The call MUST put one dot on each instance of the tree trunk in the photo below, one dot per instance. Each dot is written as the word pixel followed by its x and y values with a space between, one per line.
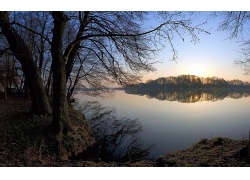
pixel 69 135
pixel 5 89
pixel 47 87
pixel 60 122
pixel 69 140
pixel 40 103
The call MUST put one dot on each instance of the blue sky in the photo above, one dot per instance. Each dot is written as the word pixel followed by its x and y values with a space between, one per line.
pixel 213 55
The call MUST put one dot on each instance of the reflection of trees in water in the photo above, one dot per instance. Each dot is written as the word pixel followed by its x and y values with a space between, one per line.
pixel 117 139
pixel 188 96
pixel 237 95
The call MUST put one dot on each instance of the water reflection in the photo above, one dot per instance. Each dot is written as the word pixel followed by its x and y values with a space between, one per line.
pixel 188 96
pixel 117 139
pixel 173 126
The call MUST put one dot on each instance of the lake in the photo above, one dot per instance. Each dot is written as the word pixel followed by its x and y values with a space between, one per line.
pixel 175 120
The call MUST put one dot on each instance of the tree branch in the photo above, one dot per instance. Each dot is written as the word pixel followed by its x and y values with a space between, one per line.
pixel 31 30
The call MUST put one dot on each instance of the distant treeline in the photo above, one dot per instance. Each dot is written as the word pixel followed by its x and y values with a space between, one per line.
pixel 189 96
pixel 192 81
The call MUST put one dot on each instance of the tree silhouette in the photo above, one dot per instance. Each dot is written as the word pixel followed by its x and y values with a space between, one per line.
pixel 111 47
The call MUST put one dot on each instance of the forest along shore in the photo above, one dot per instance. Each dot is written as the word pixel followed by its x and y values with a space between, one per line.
pixel 21 144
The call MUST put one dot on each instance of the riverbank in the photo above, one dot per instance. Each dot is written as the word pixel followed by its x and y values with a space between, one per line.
pixel 21 144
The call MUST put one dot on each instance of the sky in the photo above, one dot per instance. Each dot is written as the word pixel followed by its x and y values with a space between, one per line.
pixel 213 55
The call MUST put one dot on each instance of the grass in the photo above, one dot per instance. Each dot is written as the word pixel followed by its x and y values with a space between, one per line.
pixel 210 153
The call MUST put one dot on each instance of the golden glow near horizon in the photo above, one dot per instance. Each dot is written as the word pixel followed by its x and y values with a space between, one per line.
pixel 197 71
pixel 202 68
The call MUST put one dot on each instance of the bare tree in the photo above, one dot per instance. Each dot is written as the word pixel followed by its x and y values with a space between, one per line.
pixel 111 47
pixel 236 24
pixel 20 49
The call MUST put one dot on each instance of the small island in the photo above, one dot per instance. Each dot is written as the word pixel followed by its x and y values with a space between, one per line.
pixel 191 89
pixel 193 82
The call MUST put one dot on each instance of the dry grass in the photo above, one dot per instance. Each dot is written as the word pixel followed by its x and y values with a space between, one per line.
pixel 209 153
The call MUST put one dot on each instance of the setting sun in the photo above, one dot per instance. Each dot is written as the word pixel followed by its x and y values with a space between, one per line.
pixel 198 70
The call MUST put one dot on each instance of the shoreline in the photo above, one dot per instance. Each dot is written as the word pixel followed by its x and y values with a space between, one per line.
pixel 20 146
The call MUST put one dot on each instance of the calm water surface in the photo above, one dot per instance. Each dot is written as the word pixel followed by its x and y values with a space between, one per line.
pixel 173 126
